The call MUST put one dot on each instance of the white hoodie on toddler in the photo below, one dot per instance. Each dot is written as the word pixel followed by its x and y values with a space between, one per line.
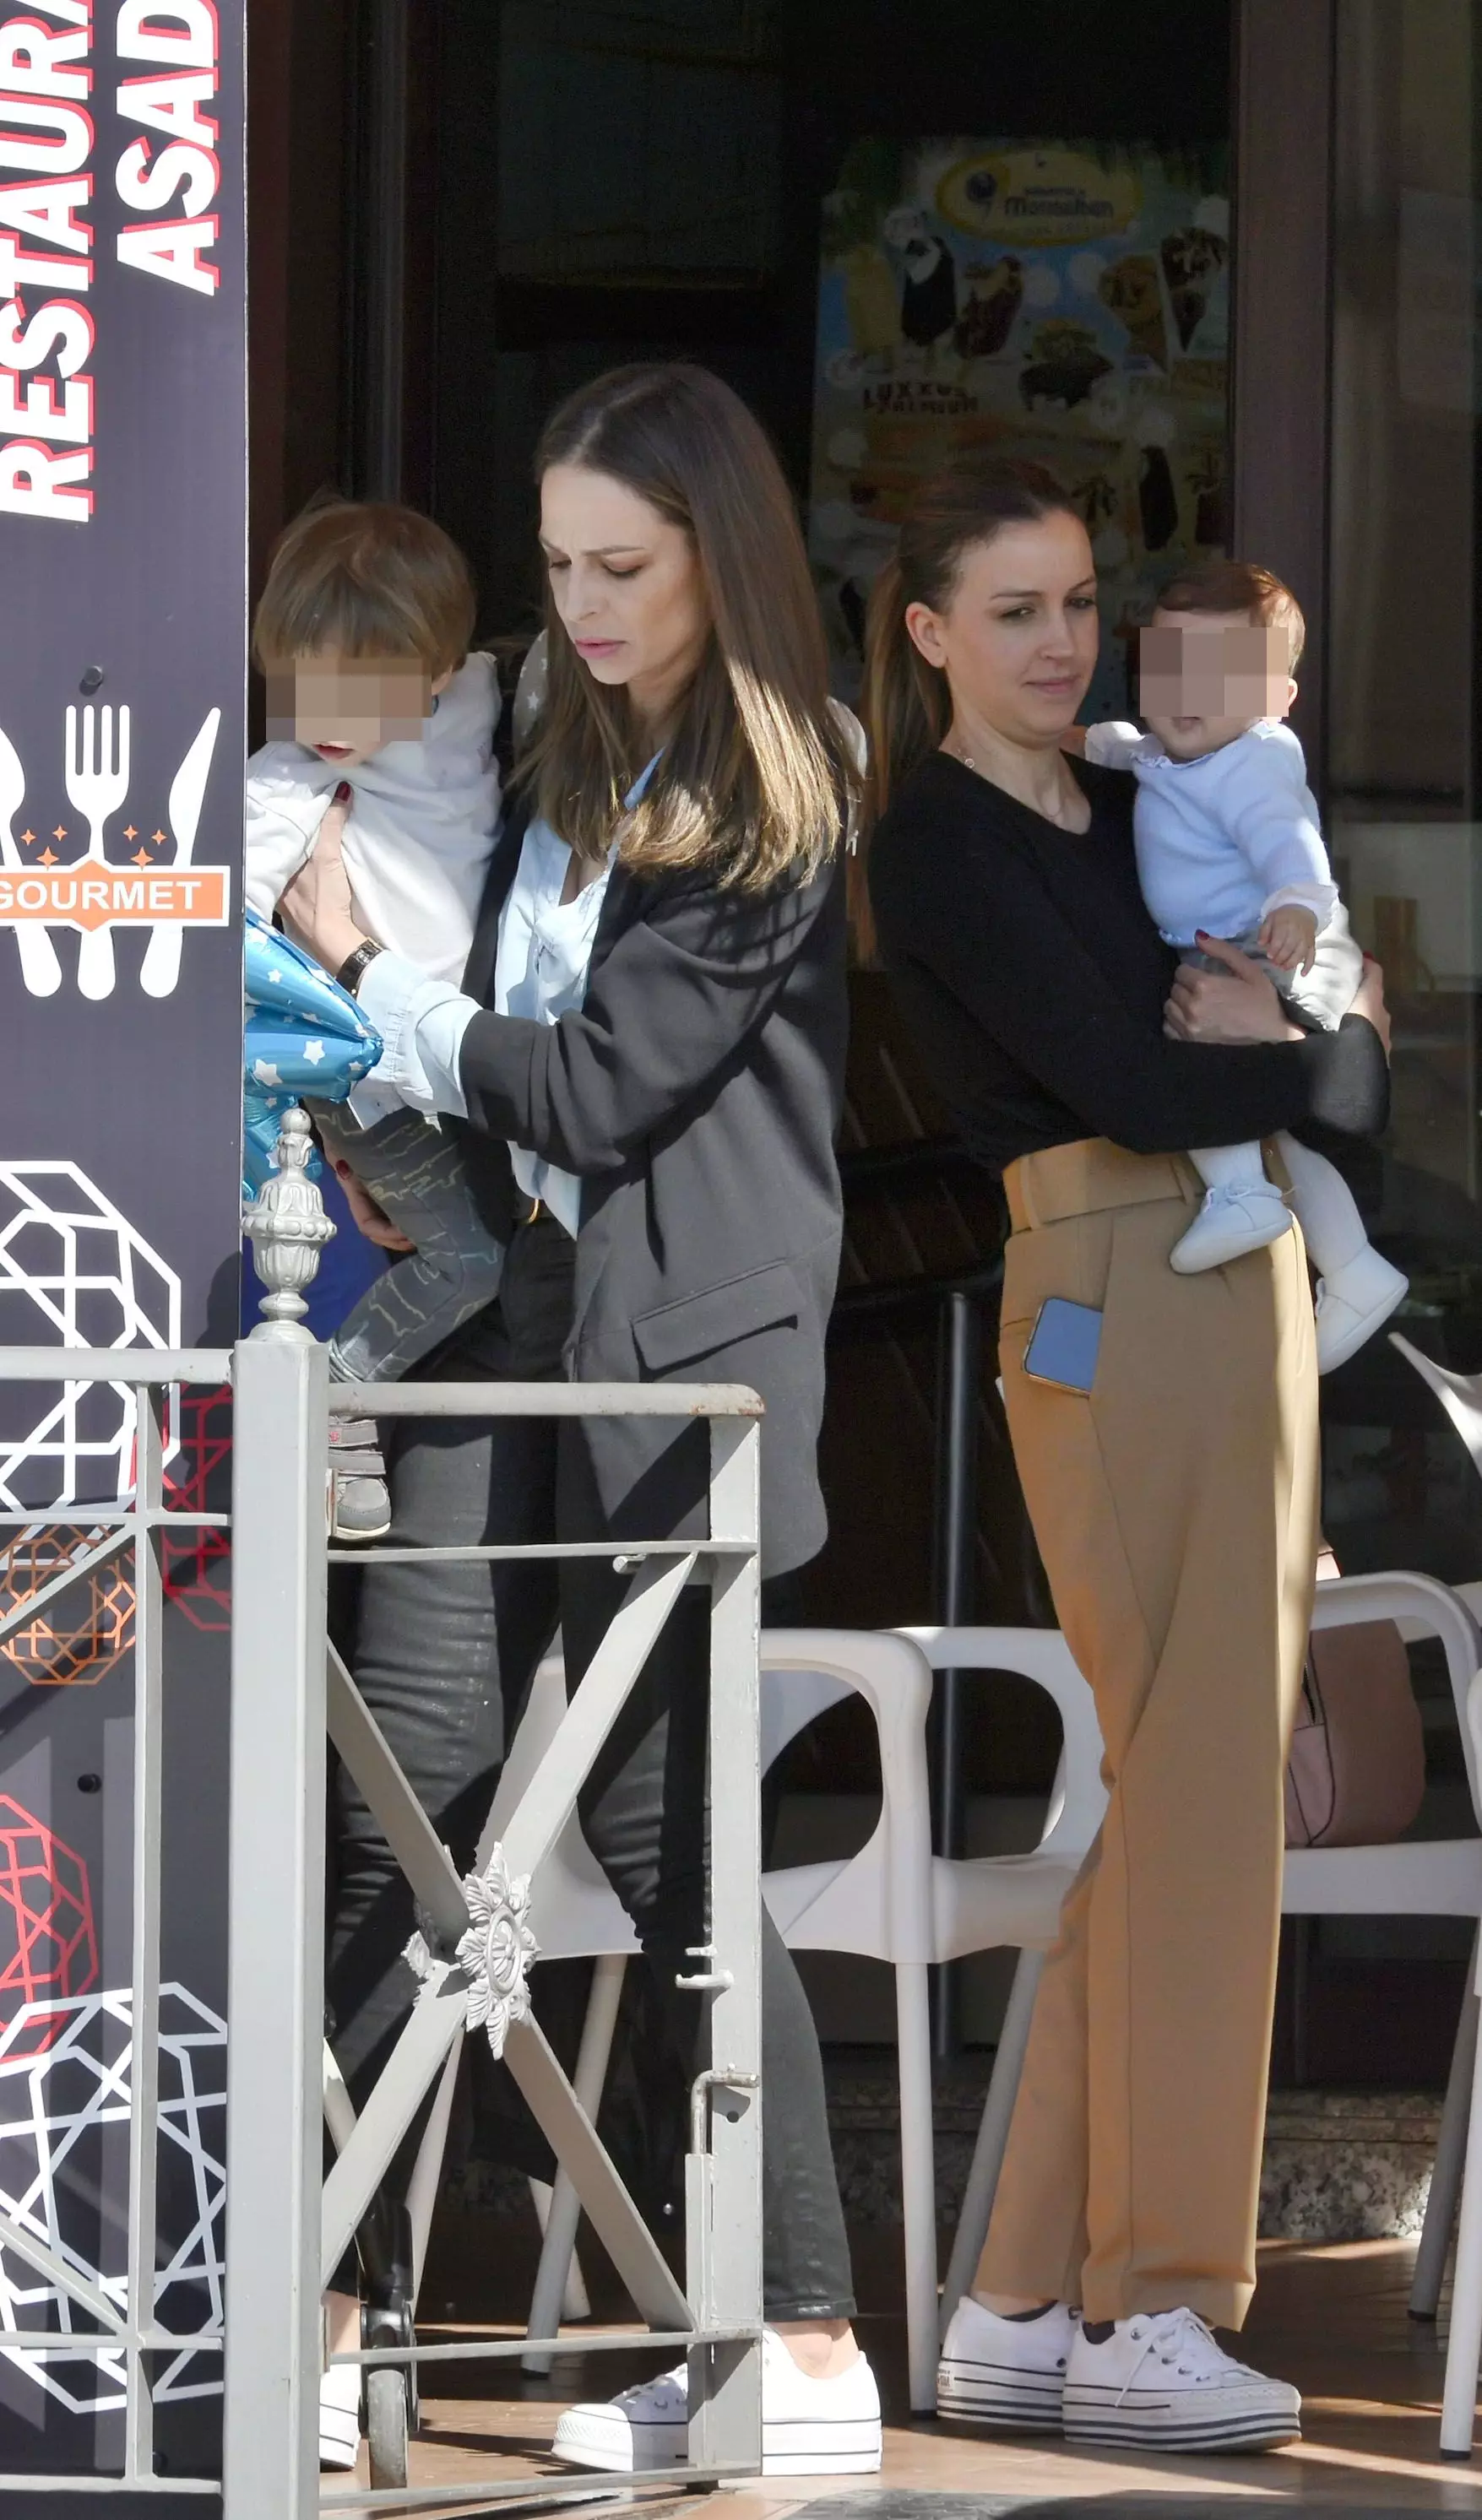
pixel 418 842
pixel 421 831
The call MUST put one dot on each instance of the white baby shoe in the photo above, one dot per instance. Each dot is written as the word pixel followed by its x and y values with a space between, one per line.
pixel 1005 2373
pixel 1230 1223
pixel 1353 1302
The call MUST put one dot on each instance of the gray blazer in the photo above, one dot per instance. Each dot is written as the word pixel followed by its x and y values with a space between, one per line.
pixel 696 1095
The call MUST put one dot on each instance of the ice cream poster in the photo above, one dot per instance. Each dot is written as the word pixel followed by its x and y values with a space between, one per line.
pixel 1067 301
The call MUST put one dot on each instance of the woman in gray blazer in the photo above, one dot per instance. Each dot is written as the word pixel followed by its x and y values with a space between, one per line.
pixel 644 1068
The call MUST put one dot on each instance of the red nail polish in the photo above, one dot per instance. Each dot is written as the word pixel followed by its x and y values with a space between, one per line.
pixel 343 792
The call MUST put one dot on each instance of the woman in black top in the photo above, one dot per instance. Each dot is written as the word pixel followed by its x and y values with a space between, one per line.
pixel 1174 1501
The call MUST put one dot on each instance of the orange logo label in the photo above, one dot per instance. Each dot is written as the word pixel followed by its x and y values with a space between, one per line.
pixel 90 895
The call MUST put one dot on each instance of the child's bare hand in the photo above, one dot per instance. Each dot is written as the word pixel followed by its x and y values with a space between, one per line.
pixel 1290 938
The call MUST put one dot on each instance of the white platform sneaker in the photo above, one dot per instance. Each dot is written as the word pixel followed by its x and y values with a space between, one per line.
pixel 1230 1223
pixel 1009 2373
pixel 809 2427
pixel 1159 2381
pixel 340 2416
pixel 1352 1303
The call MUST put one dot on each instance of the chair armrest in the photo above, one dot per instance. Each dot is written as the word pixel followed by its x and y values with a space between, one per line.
pixel 1041 1655
pixel 892 1676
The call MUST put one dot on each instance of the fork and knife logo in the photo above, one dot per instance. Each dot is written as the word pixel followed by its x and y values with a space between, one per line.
pixel 94 894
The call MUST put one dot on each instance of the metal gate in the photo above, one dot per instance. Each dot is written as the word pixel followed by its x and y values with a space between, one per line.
pixel 287 2226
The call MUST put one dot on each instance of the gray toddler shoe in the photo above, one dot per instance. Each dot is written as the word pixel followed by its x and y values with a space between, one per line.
pixel 360 1507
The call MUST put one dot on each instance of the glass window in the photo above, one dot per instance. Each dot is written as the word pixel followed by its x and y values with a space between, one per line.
pixel 1404 744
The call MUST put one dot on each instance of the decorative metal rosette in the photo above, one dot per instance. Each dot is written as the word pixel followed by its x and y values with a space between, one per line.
pixel 495 1953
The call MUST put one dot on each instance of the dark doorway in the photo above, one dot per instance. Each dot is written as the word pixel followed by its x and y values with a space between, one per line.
pixel 628 182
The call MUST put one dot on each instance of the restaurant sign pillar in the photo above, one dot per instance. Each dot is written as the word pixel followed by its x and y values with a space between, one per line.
pixel 124 568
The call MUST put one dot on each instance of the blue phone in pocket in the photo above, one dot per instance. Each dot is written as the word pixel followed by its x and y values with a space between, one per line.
pixel 1063 1344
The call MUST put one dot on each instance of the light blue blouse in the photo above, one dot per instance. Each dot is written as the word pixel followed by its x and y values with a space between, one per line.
pixel 540 972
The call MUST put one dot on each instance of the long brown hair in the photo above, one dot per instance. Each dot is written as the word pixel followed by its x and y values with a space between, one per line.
pixel 754 785
pixel 905 704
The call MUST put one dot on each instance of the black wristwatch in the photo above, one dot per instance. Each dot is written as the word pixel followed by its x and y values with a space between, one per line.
pixel 352 970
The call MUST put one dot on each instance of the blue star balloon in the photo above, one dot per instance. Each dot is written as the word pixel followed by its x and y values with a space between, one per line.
pixel 280 1053
pixel 304 1035
pixel 283 981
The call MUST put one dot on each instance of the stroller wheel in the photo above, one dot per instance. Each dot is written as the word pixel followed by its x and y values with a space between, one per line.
pixel 386 2424
pixel 387 2319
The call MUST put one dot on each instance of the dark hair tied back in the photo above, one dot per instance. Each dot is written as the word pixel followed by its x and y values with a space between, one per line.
pixel 905 706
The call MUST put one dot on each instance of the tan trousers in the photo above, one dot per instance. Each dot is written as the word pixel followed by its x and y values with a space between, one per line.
pixel 1175 1511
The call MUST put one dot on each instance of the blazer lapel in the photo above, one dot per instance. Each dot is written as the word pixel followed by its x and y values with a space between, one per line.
pixel 479 983
pixel 620 906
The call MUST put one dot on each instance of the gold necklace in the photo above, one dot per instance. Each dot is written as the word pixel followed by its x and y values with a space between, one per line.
pixel 967 762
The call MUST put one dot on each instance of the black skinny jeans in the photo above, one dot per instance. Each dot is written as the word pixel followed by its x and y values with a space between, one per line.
pixel 444 1657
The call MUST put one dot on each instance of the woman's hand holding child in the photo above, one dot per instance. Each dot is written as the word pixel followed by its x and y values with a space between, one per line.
pixel 1237 1005
pixel 317 909
pixel 369 1216
pixel 1240 1004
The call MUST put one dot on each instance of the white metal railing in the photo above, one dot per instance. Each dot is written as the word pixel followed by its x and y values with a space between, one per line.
pixel 286 2225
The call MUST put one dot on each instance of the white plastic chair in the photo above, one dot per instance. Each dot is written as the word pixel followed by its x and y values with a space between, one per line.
pixel 1461 2143
pixel 875 1901
pixel 1412 1877
pixel 1011 1902
pixel 1463 2345
pixel 893 1900
pixel 1460 1396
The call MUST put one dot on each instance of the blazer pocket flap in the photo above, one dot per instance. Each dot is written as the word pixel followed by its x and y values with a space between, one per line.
pixel 717 1317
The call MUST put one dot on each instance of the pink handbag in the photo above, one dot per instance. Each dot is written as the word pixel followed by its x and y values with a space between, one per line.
pixel 1357 1769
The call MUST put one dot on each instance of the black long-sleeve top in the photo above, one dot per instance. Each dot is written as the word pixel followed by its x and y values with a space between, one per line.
pixel 1034 982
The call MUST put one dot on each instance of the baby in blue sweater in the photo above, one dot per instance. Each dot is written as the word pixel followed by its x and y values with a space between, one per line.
pixel 1229 845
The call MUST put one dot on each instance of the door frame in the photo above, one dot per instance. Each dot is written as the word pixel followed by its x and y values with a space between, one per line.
pixel 1283 83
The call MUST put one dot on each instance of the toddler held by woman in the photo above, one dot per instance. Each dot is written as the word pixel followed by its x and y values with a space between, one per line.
pixel 363 633
pixel 1228 846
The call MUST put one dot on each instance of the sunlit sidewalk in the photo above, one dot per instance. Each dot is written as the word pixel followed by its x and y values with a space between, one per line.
pixel 1332 2319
